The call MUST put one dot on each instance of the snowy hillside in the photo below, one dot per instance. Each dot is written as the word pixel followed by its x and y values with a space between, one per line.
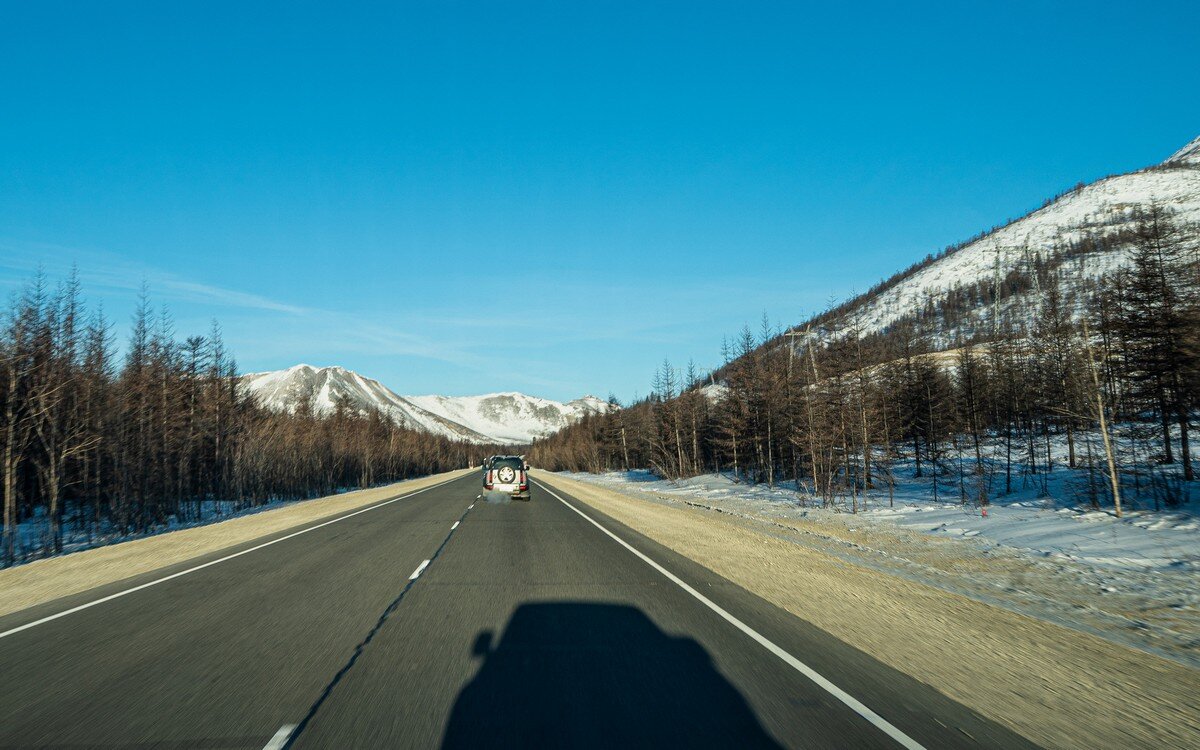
pixel 510 417
pixel 1102 209
pixel 494 418
pixel 1189 154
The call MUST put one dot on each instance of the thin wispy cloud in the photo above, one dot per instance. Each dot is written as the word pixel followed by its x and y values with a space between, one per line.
pixel 363 333
pixel 99 269
pixel 222 297
pixel 107 271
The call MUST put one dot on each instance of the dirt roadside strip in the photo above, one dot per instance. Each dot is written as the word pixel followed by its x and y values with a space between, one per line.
pixel 55 577
pixel 1054 685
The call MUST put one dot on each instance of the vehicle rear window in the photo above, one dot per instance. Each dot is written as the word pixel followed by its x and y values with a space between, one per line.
pixel 514 463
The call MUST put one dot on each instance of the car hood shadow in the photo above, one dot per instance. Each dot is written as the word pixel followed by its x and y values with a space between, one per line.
pixel 568 674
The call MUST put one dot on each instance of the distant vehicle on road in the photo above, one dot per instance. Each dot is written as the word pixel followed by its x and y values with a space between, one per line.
pixel 507 474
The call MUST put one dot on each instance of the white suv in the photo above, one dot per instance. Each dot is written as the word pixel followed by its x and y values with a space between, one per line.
pixel 507 474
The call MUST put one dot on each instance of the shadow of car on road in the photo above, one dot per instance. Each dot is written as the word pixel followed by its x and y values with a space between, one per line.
pixel 571 674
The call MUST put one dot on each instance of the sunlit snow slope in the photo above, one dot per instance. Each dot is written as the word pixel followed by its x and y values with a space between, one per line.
pixel 1102 208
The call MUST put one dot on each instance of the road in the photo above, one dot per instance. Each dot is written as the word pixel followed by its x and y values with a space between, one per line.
pixel 528 626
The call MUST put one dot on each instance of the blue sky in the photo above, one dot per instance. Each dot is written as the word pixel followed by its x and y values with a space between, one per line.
pixel 394 187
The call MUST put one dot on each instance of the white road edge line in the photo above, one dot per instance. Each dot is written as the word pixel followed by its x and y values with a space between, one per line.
pixel 420 569
pixel 279 741
pixel 455 526
pixel 210 563
pixel 850 701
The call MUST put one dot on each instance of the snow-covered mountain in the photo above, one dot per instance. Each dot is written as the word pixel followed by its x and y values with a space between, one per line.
pixel 285 390
pixel 1076 236
pixel 510 417
pixel 494 418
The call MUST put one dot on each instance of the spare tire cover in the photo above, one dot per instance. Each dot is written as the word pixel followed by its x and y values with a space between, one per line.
pixel 506 475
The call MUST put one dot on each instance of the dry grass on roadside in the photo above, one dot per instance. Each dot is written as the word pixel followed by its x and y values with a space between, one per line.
pixel 1054 685
pixel 46 580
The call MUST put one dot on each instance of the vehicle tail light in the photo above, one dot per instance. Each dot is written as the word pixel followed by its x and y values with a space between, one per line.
pixel 524 481
pixel 490 479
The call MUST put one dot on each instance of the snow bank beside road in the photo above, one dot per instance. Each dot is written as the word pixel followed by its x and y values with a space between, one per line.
pixel 1167 541
pixel 1141 539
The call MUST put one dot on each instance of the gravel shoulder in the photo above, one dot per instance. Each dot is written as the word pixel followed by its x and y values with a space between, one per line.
pixel 1057 686
pixel 45 580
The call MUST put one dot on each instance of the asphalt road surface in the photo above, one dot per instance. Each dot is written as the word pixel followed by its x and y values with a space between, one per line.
pixel 527 626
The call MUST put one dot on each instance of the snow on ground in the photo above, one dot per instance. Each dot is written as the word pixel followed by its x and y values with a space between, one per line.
pixel 1142 539
pixel 33 534
pixel 1132 580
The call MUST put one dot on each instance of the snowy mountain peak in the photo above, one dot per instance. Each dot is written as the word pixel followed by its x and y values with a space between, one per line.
pixel 492 418
pixel 1188 155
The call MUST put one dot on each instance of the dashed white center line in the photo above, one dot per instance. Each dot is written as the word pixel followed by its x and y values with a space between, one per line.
pixel 281 737
pixel 455 526
pixel 472 505
pixel 420 569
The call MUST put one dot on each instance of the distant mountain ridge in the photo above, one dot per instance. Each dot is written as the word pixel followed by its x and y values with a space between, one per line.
pixel 509 418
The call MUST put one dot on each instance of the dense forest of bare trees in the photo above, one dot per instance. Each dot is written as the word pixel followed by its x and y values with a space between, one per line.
pixel 1104 380
pixel 102 445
